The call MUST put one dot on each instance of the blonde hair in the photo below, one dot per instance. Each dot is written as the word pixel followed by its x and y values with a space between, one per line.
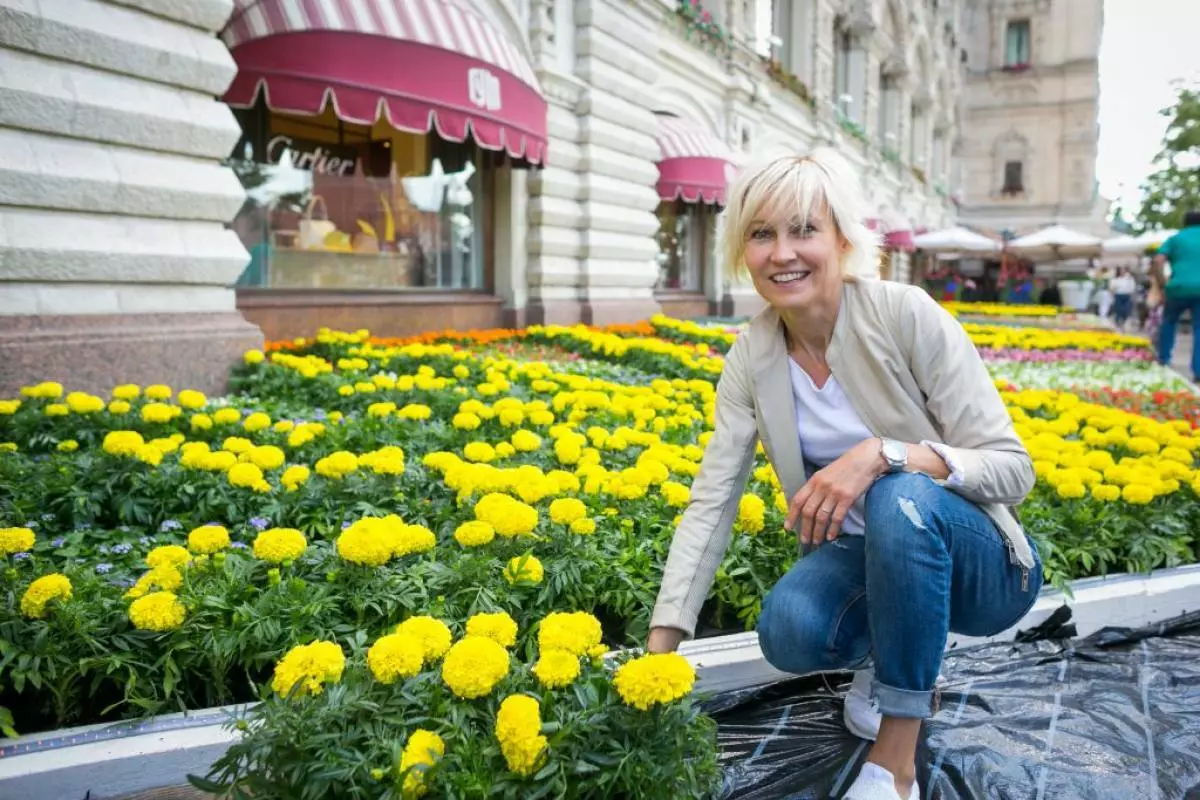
pixel 821 180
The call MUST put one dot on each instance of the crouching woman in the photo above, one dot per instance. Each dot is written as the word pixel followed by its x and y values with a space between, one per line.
pixel 896 451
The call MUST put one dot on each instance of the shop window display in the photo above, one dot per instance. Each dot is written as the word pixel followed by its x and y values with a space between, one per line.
pixel 332 205
pixel 685 241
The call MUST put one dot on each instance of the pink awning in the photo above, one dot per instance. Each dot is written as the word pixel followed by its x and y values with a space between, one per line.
pixel 897 232
pixel 421 64
pixel 695 166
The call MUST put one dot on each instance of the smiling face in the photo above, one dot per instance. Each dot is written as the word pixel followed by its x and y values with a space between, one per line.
pixel 795 262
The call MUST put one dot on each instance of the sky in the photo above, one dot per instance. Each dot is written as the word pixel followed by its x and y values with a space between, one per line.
pixel 1146 44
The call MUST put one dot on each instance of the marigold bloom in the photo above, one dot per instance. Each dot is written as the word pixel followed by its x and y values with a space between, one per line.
pixel 473 666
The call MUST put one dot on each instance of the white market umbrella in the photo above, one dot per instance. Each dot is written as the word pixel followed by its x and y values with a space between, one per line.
pixel 1123 245
pixel 1057 243
pixel 955 240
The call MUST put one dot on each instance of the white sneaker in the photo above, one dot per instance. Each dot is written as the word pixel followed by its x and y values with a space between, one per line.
pixel 860 711
pixel 876 783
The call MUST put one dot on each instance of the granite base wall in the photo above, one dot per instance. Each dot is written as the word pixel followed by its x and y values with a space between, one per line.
pixel 94 353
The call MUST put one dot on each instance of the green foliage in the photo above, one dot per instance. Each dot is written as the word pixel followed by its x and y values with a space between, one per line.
pixel 1174 188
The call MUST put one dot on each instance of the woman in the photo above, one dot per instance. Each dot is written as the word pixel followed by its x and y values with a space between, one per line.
pixel 1123 286
pixel 894 446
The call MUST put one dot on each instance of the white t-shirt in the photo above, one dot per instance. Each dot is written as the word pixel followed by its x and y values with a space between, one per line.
pixel 829 426
pixel 1124 284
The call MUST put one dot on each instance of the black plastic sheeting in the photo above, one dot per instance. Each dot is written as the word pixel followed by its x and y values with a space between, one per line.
pixel 1115 715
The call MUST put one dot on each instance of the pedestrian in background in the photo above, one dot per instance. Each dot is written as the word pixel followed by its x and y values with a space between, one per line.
pixel 1123 286
pixel 1182 290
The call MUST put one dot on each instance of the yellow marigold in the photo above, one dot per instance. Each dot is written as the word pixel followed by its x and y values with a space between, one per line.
pixel 566 510
pixel 54 586
pixel 295 477
pixel 168 555
pixel 157 611
pixel 654 679
pixel 127 391
pixel 576 632
pixel 192 399
pixel 509 517
pixel 226 416
pixel 413 539
pixel 265 457
pixel 1137 494
pixel 1071 490
pixel 583 526
pixel 122 443
pixel 1106 492
pixel 308 667
pixel 473 667
pixel 279 545
pixel 159 413
pixel 370 542
pixel 245 476
pixel 526 441
pixel 423 750
pixel 434 635
pixel 519 732
pixel 676 494
pixel 201 422
pixel 15 540
pixel 415 411
pixel 474 533
pixel 524 569
pixel 158 391
pixel 480 452
pixel 256 422
pixel 253 356
pixel 337 465
pixel 84 403
pixel 208 539
pixel 498 626
pixel 396 655
pixel 751 509
pixel 118 407
pixel 466 421
pixel 167 578
pixel 556 668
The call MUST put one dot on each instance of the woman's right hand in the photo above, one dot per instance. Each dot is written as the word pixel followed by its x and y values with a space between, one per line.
pixel 664 640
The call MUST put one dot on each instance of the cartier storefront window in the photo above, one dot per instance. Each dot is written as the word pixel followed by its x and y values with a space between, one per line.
pixel 335 205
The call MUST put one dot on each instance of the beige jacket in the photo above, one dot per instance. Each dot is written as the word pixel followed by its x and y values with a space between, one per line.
pixel 911 373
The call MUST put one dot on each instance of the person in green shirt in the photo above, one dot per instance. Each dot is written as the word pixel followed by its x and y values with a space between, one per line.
pixel 1182 251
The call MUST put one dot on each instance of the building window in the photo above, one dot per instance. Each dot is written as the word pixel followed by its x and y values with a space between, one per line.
pixel 685 241
pixel 1013 179
pixel 1017 44
pixel 843 96
pixel 334 205
pixel 781 29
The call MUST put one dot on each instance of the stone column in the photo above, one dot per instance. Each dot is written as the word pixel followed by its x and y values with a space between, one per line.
pixel 511 236
pixel 617 172
pixel 115 262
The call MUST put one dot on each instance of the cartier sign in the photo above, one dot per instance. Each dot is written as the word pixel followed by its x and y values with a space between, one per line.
pixel 327 159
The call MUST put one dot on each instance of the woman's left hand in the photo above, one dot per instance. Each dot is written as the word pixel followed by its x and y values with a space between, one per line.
pixel 824 500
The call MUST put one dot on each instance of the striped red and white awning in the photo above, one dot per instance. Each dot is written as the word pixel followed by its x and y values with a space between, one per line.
pixel 694 165
pixel 421 64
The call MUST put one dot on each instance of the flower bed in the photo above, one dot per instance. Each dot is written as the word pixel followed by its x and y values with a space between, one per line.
pixel 166 550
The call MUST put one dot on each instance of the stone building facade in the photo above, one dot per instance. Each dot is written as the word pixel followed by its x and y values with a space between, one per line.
pixel 425 164
pixel 1031 105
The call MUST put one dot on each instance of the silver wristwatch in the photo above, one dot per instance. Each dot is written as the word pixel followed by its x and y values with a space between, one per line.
pixel 895 454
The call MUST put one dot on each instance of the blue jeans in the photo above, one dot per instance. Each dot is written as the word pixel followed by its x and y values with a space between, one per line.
pixel 1172 310
pixel 929 563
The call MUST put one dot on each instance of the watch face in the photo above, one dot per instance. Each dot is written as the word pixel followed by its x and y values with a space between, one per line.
pixel 895 451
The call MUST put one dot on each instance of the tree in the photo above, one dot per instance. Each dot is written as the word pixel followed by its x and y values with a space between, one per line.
pixel 1174 187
